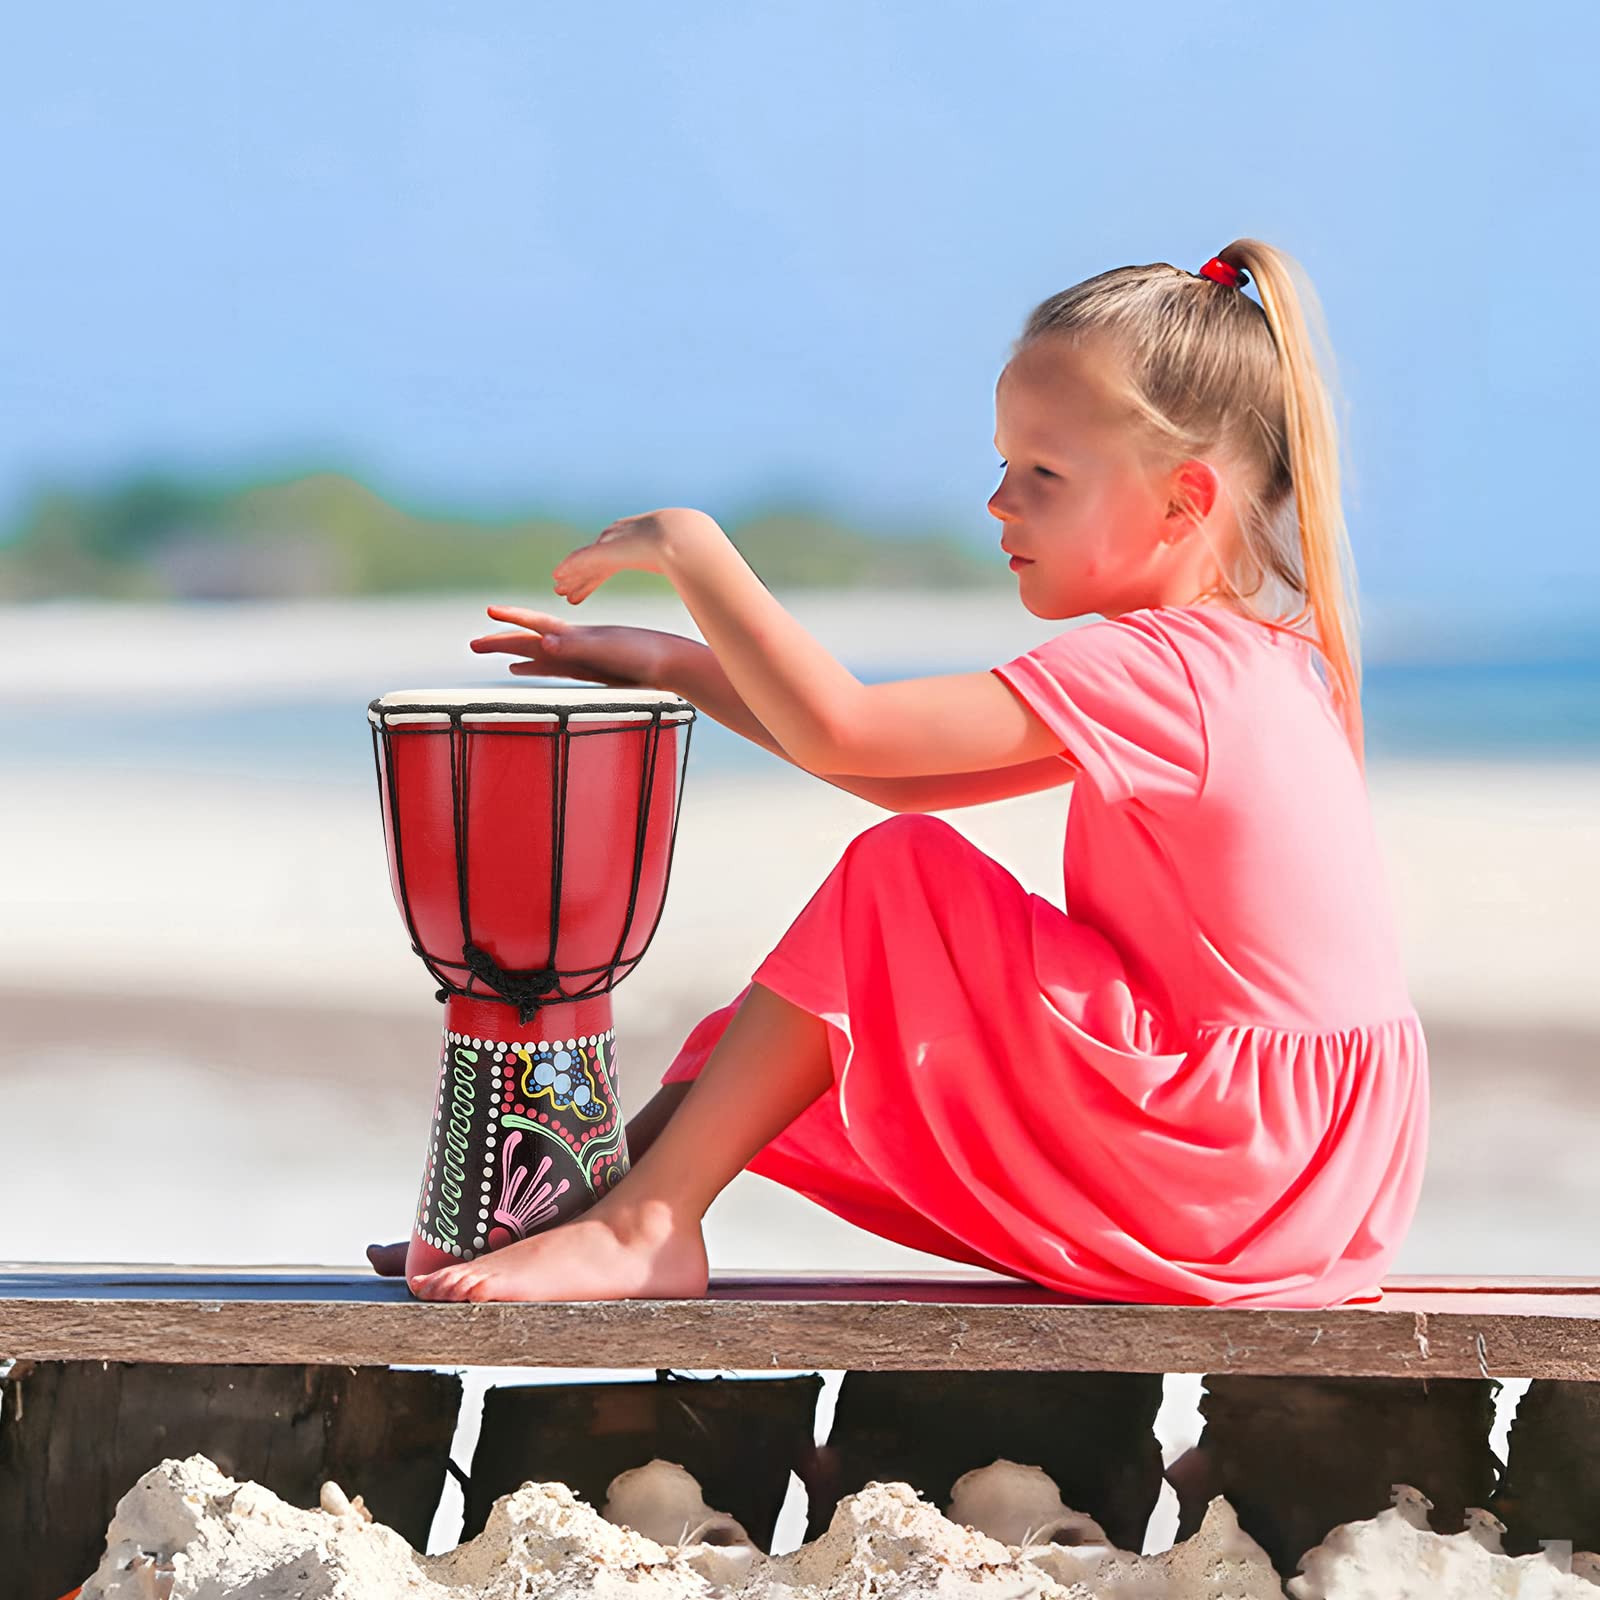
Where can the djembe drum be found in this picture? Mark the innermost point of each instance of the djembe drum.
(530, 836)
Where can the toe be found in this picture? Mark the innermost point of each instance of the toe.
(448, 1283)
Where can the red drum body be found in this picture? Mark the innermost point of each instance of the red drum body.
(530, 836)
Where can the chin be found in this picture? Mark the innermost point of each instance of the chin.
(1050, 608)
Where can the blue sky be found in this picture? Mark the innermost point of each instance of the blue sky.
(607, 257)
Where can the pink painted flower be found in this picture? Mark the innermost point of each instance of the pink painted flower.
(525, 1201)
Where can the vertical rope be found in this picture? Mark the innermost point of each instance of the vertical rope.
(561, 763)
(383, 768)
(458, 787)
(531, 990)
(672, 842)
(641, 827)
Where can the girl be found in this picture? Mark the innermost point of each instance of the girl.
(1205, 1082)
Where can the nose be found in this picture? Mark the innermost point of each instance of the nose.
(998, 509)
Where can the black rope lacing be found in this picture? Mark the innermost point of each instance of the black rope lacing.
(530, 990)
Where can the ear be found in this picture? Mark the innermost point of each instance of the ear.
(1193, 490)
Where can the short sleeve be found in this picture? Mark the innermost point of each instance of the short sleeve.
(1122, 700)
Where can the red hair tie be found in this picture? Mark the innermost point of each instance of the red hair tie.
(1219, 271)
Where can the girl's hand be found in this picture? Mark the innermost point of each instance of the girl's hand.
(622, 658)
(646, 543)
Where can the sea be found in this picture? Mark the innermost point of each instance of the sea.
(1516, 709)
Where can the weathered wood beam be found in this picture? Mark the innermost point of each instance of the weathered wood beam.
(1298, 1456)
(740, 1437)
(1551, 1488)
(1504, 1328)
(1093, 1432)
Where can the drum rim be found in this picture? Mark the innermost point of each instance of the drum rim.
(576, 702)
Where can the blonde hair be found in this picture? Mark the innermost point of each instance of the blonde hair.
(1205, 369)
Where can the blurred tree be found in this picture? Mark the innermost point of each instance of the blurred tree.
(324, 533)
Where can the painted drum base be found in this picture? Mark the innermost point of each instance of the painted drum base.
(527, 1128)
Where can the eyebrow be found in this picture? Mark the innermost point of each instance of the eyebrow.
(1054, 459)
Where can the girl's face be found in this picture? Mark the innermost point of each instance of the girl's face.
(1097, 530)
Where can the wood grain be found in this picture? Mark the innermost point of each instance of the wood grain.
(1503, 1327)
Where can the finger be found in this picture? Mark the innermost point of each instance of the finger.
(521, 615)
(550, 675)
(517, 644)
(577, 560)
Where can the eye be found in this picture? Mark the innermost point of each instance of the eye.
(1044, 472)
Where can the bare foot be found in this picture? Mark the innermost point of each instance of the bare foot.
(613, 1251)
(388, 1260)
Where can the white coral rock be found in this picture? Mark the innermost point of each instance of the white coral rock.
(1396, 1555)
(888, 1543)
(1586, 1564)
(337, 1503)
(1218, 1561)
(1486, 1528)
(1412, 1505)
(543, 1540)
(189, 1530)
(1020, 1506)
(663, 1501)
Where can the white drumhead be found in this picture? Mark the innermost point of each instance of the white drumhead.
(543, 705)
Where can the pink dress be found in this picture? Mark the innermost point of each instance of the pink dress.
(1204, 1082)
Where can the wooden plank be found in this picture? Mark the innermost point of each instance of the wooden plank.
(1298, 1456)
(1092, 1432)
(741, 1437)
(939, 1322)
(1552, 1461)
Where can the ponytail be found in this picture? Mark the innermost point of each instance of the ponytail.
(1294, 315)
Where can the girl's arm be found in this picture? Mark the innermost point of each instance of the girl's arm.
(693, 671)
(825, 718)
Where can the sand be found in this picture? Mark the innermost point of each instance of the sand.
(261, 889)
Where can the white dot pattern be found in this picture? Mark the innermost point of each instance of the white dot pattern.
(501, 1049)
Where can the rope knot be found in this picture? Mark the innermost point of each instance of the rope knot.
(524, 989)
